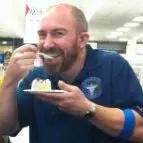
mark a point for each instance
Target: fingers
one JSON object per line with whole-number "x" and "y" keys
{"x": 25, "y": 69}
{"x": 64, "y": 86}
{"x": 28, "y": 54}
{"x": 53, "y": 96}
{"x": 26, "y": 62}
{"x": 21, "y": 61}
{"x": 25, "y": 52}
{"x": 24, "y": 58}
{"x": 26, "y": 47}
{"x": 61, "y": 103}
{"x": 47, "y": 99}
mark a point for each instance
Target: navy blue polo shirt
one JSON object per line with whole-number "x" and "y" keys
{"x": 106, "y": 79}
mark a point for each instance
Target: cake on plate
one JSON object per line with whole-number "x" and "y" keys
{"x": 41, "y": 85}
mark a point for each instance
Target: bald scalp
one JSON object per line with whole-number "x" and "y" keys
{"x": 77, "y": 14}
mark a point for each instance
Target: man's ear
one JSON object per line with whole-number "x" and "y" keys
{"x": 83, "y": 39}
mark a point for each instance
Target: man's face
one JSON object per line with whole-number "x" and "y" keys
{"x": 58, "y": 37}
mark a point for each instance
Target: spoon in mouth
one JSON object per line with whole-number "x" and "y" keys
{"x": 45, "y": 56}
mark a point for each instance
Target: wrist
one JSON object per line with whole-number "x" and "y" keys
{"x": 9, "y": 82}
{"x": 90, "y": 111}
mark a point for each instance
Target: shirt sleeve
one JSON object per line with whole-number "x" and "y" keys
{"x": 25, "y": 102}
{"x": 126, "y": 89}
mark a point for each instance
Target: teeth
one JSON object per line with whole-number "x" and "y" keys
{"x": 52, "y": 54}
{"x": 46, "y": 56}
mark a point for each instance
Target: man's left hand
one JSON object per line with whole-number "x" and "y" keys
{"x": 72, "y": 101}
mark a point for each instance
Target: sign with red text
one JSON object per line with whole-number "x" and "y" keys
{"x": 32, "y": 17}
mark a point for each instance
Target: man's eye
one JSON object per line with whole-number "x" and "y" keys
{"x": 59, "y": 33}
{"x": 41, "y": 36}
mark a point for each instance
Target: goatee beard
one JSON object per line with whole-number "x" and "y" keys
{"x": 53, "y": 70}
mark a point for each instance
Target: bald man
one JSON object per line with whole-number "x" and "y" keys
{"x": 101, "y": 100}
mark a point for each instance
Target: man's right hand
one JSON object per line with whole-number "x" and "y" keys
{"x": 21, "y": 62}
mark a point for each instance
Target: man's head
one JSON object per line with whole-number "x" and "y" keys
{"x": 62, "y": 33}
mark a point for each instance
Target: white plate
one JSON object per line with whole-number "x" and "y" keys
{"x": 43, "y": 91}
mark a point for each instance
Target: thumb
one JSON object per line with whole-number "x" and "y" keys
{"x": 64, "y": 86}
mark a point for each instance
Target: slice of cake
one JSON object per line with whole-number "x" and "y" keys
{"x": 40, "y": 84}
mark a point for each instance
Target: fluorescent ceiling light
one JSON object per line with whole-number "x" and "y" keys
{"x": 123, "y": 29}
{"x": 138, "y": 19}
{"x": 111, "y": 36}
{"x": 139, "y": 36}
{"x": 91, "y": 38}
{"x": 123, "y": 39}
{"x": 4, "y": 42}
{"x": 131, "y": 24}
{"x": 114, "y": 35}
{"x": 117, "y": 33}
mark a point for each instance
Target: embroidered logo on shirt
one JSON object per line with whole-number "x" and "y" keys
{"x": 92, "y": 87}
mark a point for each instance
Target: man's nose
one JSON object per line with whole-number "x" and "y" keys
{"x": 49, "y": 42}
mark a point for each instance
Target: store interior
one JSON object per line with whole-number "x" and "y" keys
{"x": 114, "y": 25}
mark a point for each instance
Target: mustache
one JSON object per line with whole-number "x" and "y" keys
{"x": 52, "y": 51}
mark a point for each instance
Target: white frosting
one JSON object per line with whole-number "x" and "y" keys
{"x": 39, "y": 84}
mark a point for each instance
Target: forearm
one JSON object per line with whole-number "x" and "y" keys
{"x": 138, "y": 131}
{"x": 8, "y": 106}
{"x": 20, "y": 63}
{"x": 111, "y": 121}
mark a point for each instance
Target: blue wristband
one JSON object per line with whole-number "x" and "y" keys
{"x": 129, "y": 124}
